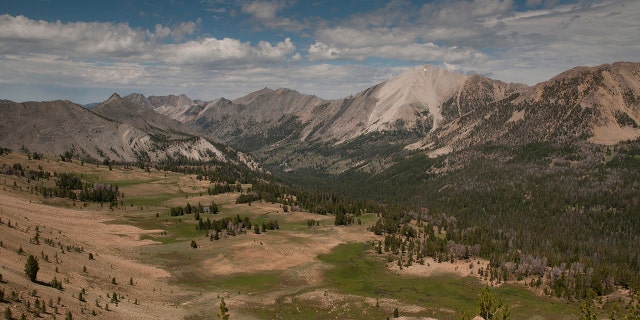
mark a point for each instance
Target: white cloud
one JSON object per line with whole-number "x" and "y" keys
{"x": 266, "y": 13}
{"x": 484, "y": 8}
{"x": 79, "y": 39}
{"x": 162, "y": 31}
{"x": 352, "y": 37}
{"x": 262, "y": 10}
{"x": 118, "y": 42}
{"x": 47, "y": 69}
{"x": 183, "y": 29}
{"x": 321, "y": 51}
{"x": 440, "y": 31}
{"x": 418, "y": 52}
{"x": 213, "y": 52}
{"x": 545, "y": 42}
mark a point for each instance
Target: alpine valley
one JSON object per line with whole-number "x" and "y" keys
{"x": 542, "y": 182}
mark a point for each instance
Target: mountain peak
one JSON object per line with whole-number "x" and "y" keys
{"x": 252, "y": 96}
{"x": 415, "y": 91}
{"x": 114, "y": 96}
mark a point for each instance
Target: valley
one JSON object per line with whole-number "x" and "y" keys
{"x": 144, "y": 256}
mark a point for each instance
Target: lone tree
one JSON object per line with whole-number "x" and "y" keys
{"x": 490, "y": 308}
{"x": 224, "y": 312}
{"x": 31, "y": 268}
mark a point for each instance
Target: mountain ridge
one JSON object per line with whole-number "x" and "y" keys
{"x": 115, "y": 130}
{"x": 440, "y": 111}
{"x": 425, "y": 108}
{"x": 414, "y": 96}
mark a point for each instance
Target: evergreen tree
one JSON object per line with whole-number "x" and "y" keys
{"x": 31, "y": 268}
{"x": 489, "y": 308}
{"x": 587, "y": 311}
{"x": 224, "y": 312}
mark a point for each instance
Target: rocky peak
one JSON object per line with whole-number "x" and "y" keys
{"x": 415, "y": 91}
{"x": 115, "y": 97}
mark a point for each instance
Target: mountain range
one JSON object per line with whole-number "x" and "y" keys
{"x": 114, "y": 130}
{"x": 424, "y": 109}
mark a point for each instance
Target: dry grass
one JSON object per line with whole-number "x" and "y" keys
{"x": 114, "y": 248}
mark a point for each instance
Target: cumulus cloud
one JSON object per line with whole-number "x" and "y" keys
{"x": 162, "y": 31}
{"x": 321, "y": 51}
{"x": 183, "y": 29}
{"x": 113, "y": 42}
{"x": 81, "y": 39}
{"x": 214, "y": 52}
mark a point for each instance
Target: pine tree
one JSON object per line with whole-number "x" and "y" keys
{"x": 490, "y": 308}
{"x": 587, "y": 311}
{"x": 224, "y": 312}
{"x": 31, "y": 268}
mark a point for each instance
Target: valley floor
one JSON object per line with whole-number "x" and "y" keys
{"x": 145, "y": 257}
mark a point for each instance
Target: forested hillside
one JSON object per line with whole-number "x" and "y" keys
{"x": 572, "y": 209}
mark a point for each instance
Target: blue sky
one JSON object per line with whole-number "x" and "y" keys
{"x": 85, "y": 50}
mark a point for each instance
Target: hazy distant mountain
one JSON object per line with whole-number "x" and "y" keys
{"x": 91, "y": 105}
{"x": 179, "y": 107}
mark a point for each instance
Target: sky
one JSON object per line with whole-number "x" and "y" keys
{"x": 84, "y": 51}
